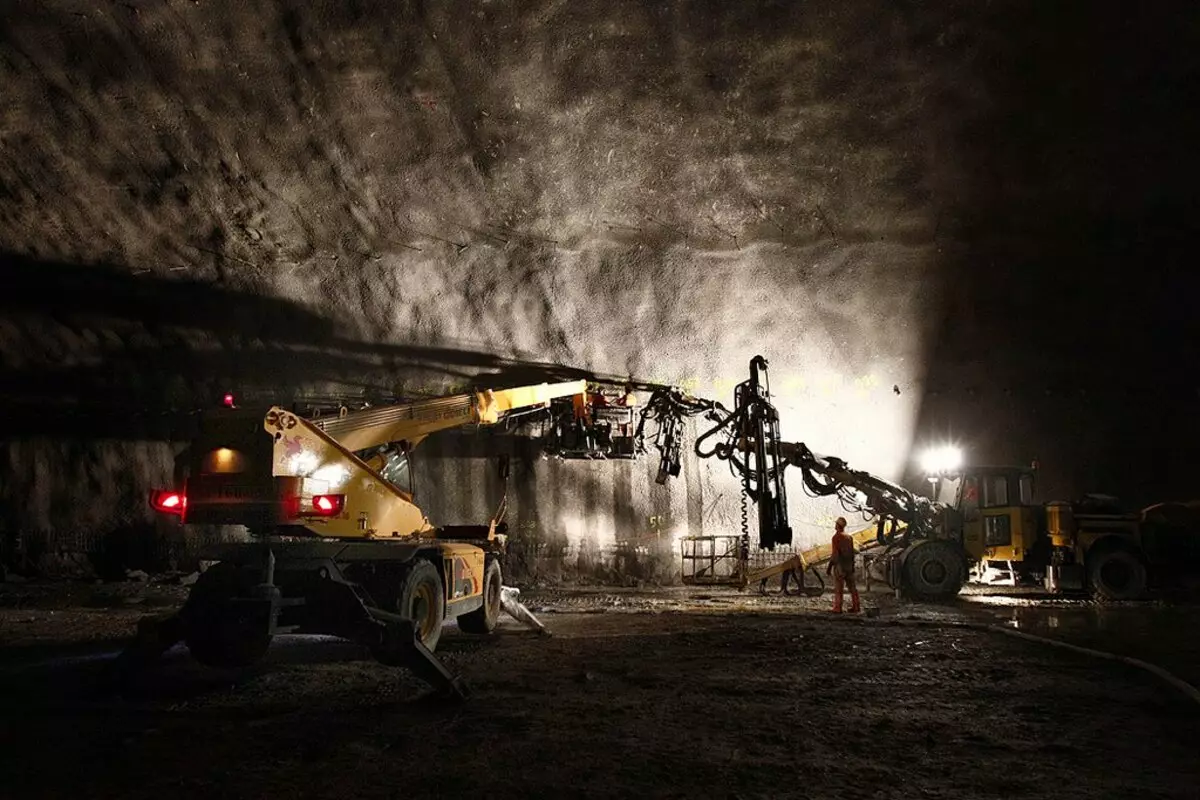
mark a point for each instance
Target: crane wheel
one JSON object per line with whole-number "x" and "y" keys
{"x": 422, "y": 599}
{"x": 1117, "y": 574}
{"x": 485, "y": 618}
{"x": 935, "y": 570}
{"x": 215, "y": 633}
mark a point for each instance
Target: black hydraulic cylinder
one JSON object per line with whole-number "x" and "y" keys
{"x": 762, "y": 479}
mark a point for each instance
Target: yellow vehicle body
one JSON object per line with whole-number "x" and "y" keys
{"x": 1000, "y": 521}
{"x": 1065, "y": 531}
{"x": 463, "y": 566}
{"x": 342, "y": 547}
{"x": 1001, "y": 534}
{"x": 315, "y": 461}
{"x": 373, "y": 507}
{"x": 1116, "y": 555}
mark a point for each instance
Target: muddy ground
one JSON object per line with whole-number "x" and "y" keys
{"x": 668, "y": 694}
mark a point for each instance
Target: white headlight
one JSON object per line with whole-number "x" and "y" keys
{"x": 940, "y": 460}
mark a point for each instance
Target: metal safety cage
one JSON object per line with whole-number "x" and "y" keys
{"x": 714, "y": 560}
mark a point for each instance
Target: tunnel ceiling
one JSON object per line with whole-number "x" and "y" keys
{"x": 869, "y": 194}
{"x": 284, "y": 134}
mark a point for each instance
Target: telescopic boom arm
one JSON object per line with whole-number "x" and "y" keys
{"x": 748, "y": 439}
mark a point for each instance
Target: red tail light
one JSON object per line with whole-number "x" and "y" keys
{"x": 328, "y": 505}
{"x": 228, "y": 400}
{"x": 168, "y": 502}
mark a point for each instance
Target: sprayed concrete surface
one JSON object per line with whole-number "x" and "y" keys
{"x": 670, "y": 693}
{"x": 270, "y": 197}
{"x": 275, "y": 197}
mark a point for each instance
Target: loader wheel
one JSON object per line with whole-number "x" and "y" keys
{"x": 485, "y": 618}
{"x": 217, "y": 634}
{"x": 1117, "y": 575}
{"x": 423, "y": 600}
{"x": 935, "y": 570}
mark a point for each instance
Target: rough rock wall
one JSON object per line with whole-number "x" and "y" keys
{"x": 269, "y": 195}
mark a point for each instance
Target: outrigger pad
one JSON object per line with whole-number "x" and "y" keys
{"x": 394, "y": 640}
{"x": 402, "y": 647}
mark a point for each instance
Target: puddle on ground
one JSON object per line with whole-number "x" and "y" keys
{"x": 1036, "y": 611}
{"x": 1153, "y": 631}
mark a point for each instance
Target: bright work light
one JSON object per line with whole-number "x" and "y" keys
{"x": 941, "y": 460}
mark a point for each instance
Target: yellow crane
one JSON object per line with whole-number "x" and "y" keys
{"x": 338, "y": 545}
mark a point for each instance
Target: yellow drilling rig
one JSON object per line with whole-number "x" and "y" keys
{"x": 983, "y": 518}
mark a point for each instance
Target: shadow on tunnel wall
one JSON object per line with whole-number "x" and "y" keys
{"x": 617, "y": 539}
{"x": 94, "y": 351}
{"x": 98, "y": 362}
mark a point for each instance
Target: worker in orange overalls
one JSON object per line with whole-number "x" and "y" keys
{"x": 841, "y": 566}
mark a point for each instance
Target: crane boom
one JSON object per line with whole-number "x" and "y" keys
{"x": 412, "y": 422}
{"x": 344, "y": 477}
{"x": 342, "y": 548}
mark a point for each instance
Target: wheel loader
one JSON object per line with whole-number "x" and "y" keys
{"x": 1117, "y": 554}
{"x": 337, "y": 544}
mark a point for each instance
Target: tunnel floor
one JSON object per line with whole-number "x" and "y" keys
{"x": 670, "y": 693}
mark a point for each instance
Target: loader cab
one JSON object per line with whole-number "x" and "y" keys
{"x": 1001, "y": 519}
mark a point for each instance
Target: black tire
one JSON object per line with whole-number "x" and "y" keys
{"x": 1117, "y": 574}
{"x": 216, "y": 634}
{"x": 935, "y": 570}
{"x": 423, "y": 600}
{"x": 485, "y": 618}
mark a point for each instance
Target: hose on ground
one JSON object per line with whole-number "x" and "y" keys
{"x": 1178, "y": 683}
{"x": 1153, "y": 669}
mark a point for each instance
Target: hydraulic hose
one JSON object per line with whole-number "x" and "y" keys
{"x": 717, "y": 449}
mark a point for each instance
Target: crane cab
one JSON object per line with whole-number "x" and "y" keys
{"x": 1001, "y": 522}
